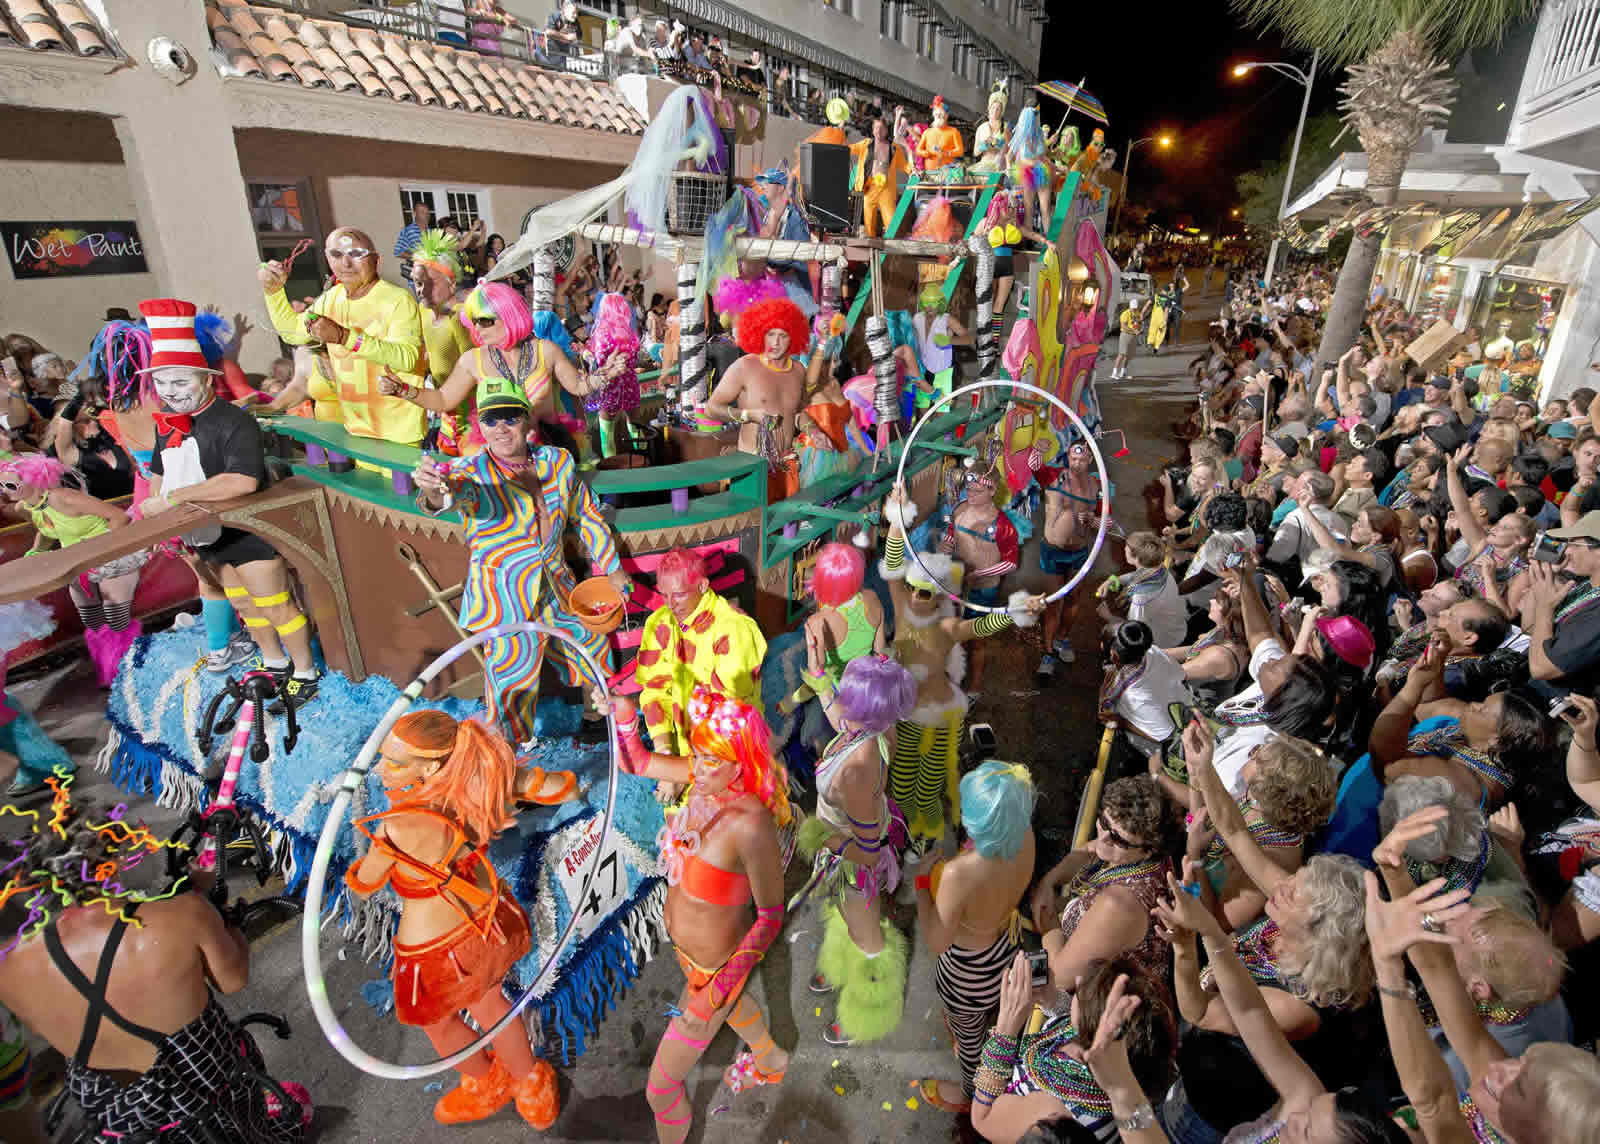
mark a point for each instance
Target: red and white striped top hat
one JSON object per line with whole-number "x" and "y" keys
{"x": 172, "y": 339}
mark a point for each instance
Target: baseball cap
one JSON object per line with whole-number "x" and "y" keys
{"x": 1290, "y": 446}
{"x": 500, "y": 393}
{"x": 1449, "y": 437}
{"x": 1565, "y": 430}
{"x": 1351, "y": 640}
{"x": 1587, "y": 528}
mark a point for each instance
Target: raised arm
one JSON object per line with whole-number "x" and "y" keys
{"x": 1391, "y": 733}
{"x": 1471, "y": 531}
{"x": 1198, "y": 748}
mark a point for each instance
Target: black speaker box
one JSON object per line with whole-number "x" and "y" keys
{"x": 825, "y": 171}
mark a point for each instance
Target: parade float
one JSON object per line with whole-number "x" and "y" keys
{"x": 381, "y": 580}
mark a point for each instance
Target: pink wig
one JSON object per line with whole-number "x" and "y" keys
{"x": 751, "y": 330}
{"x": 613, "y": 330}
{"x": 1001, "y": 206}
{"x": 685, "y": 564}
{"x": 728, "y": 729}
{"x": 496, "y": 300}
{"x": 39, "y": 471}
{"x": 735, "y": 295}
{"x": 840, "y": 569}
{"x": 875, "y": 693}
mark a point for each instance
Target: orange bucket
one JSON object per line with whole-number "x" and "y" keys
{"x": 597, "y": 605}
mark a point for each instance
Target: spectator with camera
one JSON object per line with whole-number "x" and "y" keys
{"x": 1563, "y": 619}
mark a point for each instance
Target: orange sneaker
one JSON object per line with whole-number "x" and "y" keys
{"x": 476, "y": 1098}
{"x": 538, "y": 1097}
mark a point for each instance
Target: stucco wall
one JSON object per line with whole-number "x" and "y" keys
{"x": 68, "y": 167}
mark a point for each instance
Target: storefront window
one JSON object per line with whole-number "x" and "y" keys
{"x": 1441, "y": 297}
{"x": 1517, "y": 310}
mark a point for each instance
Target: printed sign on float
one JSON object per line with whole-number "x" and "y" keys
{"x": 69, "y": 249}
{"x": 608, "y": 890}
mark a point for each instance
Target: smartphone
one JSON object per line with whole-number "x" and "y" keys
{"x": 1564, "y": 703}
{"x": 1547, "y": 548}
{"x": 983, "y": 739}
{"x": 1234, "y": 559}
{"x": 1039, "y": 967}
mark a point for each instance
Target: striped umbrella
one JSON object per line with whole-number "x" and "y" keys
{"x": 1075, "y": 97}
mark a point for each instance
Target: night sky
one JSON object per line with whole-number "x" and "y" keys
{"x": 1158, "y": 68}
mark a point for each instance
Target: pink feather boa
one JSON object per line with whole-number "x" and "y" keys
{"x": 733, "y": 296}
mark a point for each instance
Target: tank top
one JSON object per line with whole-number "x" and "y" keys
{"x": 63, "y": 528}
{"x": 1146, "y": 880}
{"x": 526, "y": 360}
{"x": 858, "y": 636}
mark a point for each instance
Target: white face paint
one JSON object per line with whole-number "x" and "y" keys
{"x": 181, "y": 389}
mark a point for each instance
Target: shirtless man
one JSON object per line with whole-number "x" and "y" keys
{"x": 983, "y": 539}
{"x": 1071, "y": 517}
{"x": 765, "y": 390}
{"x": 928, "y": 635}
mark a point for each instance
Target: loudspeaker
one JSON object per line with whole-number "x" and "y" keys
{"x": 825, "y": 171}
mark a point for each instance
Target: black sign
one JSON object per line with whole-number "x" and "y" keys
{"x": 72, "y": 249}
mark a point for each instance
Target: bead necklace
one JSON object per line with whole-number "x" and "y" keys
{"x": 1266, "y": 835}
{"x": 1097, "y": 875}
{"x": 1045, "y": 1061}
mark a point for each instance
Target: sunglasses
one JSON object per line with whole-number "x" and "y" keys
{"x": 499, "y": 417}
{"x": 1111, "y": 835}
{"x": 484, "y": 323}
{"x": 922, "y": 593}
{"x": 10, "y": 488}
{"x": 352, "y": 253}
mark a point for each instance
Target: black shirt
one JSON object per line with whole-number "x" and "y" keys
{"x": 1575, "y": 648}
{"x": 227, "y": 439}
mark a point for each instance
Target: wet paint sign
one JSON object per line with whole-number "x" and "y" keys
{"x": 73, "y": 249}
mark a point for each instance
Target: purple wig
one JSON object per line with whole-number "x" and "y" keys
{"x": 497, "y": 300}
{"x": 875, "y": 693}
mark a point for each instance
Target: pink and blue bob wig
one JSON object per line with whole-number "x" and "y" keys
{"x": 838, "y": 573}
{"x": 496, "y": 300}
{"x": 875, "y": 693}
{"x": 1001, "y": 206}
{"x": 997, "y": 807}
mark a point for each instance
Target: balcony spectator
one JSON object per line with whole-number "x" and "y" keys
{"x": 780, "y": 96}
{"x": 695, "y": 53}
{"x": 666, "y": 45}
{"x": 489, "y": 24}
{"x": 754, "y": 72}
{"x": 564, "y": 24}
{"x": 631, "y": 42}
{"x": 411, "y": 235}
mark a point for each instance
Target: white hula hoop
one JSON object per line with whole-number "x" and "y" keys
{"x": 310, "y": 927}
{"x": 1083, "y": 431}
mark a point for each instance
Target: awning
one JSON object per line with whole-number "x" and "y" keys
{"x": 784, "y": 42}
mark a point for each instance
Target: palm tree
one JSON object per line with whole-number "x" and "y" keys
{"x": 1399, "y": 54}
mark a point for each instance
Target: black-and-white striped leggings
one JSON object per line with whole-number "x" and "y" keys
{"x": 969, "y": 981}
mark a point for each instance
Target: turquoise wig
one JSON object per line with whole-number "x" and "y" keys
{"x": 903, "y": 333}
{"x": 997, "y": 807}
{"x": 1027, "y": 138}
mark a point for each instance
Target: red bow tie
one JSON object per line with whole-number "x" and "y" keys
{"x": 173, "y": 426}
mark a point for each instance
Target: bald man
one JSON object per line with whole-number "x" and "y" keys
{"x": 368, "y": 326}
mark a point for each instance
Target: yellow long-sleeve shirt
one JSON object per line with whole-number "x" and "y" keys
{"x": 390, "y": 323}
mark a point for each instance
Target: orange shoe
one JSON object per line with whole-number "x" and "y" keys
{"x": 538, "y": 1097}
{"x": 476, "y": 1098}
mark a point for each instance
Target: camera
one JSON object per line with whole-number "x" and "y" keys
{"x": 1177, "y": 474}
{"x": 983, "y": 740}
{"x": 1039, "y": 967}
{"x": 1547, "y": 548}
{"x": 1234, "y": 559}
{"x": 1564, "y": 703}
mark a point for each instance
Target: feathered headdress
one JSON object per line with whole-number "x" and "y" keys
{"x": 997, "y": 94}
{"x": 725, "y": 728}
{"x": 440, "y": 252}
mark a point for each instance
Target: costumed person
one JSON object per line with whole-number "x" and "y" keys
{"x": 151, "y": 1054}
{"x": 1072, "y": 507}
{"x": 722, "y": 856}
{"x": 310, "y": 392}
{"x": 1166, "y": 300}
{"x": 37, "y": 755}
{"x": 435, "y": 269}
{"x": 940, "y": 145}
{"x": 1064, "y": 150}
{"x": 863, "y": 955}
{"x": 614, "y": 349}
{"x": 990, "y": 140}
{"x": 452, "y": 787}
{"x": 983, "y": 540}
{"x": 119, "y": 359}
{"x": 878, "y": 165}
{"x": 928, "y": 639}
{"x": 207, "y": 452}
{"x": 517, "y": 501}
{"x": 500, "y": 322}
{"x": 937, "y": 329}
{"x": 1005, "y": 234}
{"x": 829, "y": 440}
{"x": 765, "y": 389}
{"x": 1089, "y": 158}
{"x": 369, "y": 327}
{"x": 967, "y": 913}
{"x": 42, "y": 488}
{"x": 847, "y": 624}
{"x": 695, "y": 638}
{"x": 1029, "y": 171}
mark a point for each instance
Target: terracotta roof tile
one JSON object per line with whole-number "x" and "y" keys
{"x": 54, "y": 25}
{"x": 284, "y": 46}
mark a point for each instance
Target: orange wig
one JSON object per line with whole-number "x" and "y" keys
{"x": 474, "y": 785}
{"x": 728, "y": 729}
{"x": 751, "y": 329}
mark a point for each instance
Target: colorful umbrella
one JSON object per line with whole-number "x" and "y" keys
{"x": 1075, "y": 97}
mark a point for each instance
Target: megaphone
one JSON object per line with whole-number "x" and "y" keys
{"x": 1363, "y": 436}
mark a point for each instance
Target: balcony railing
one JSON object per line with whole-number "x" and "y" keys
{"x": 1564, "y": 65}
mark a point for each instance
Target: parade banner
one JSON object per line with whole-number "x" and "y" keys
{"x": 72, "y": 249}
{"x": 1454, "y": 225}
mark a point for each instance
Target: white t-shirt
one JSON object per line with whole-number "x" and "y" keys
{"x": 1234, "y": 746}
{"x": 1162, "y": 608}
{"x": 1144, "y": 703}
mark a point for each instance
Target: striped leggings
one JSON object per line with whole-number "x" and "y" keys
{"x": 969, "y": 982}
{"x": 923, "y": 773}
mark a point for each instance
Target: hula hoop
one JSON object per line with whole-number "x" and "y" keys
{"x": 1083, "y": 430}
{"x": 310, "y": 928}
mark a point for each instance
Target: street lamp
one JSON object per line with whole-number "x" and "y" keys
{"x": 1162, "y": 141}
{"x": 1305, "y": 79}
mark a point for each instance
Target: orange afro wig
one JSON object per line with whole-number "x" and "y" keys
{"x": 781, "y": 313}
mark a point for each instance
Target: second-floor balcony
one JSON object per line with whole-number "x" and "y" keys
{"x": 1558, "y": 110}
